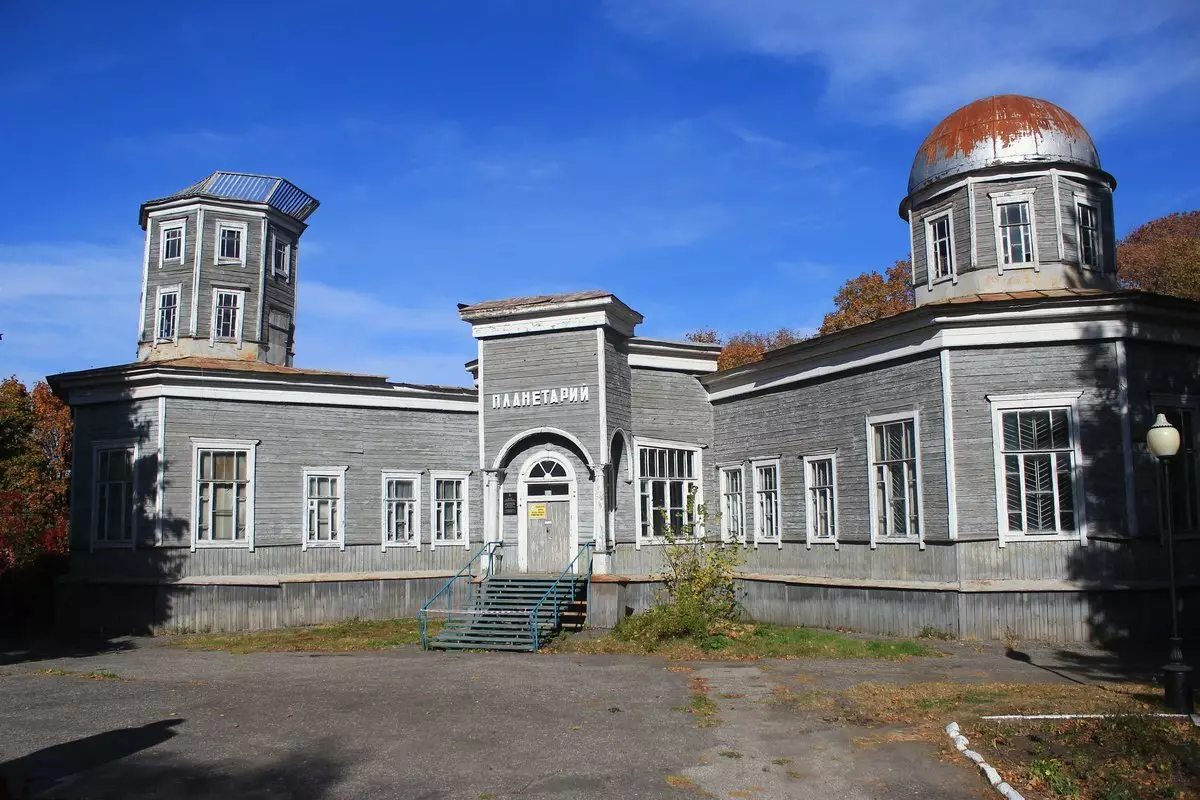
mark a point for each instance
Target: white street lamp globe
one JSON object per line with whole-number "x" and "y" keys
{"x": 1163, "y": 438}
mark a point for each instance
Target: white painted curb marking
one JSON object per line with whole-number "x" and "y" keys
{"x": 989, "y": 772}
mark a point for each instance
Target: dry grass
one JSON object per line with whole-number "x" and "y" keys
{"x": 55, "y": 672}
{"x": 745, "y": 641}
{"x": 340, "y": 637}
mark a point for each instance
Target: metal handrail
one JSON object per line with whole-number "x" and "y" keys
{"x": 534, "y": 631}
{"x": 468, "y": 568}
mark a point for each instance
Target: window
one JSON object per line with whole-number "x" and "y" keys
{"x": 668, "y": 486}
{"x": 227, "y": 314}
{"x": 766, "y": 501}
{"x": 113, "y": 510}
{"x": 895, "y": 490}
{"x": 450, "y": 518}
{"x": 1038, "y": 491}
{"x": 229, "y": 243}
{"x": 939, "y": 247}
{"x": 281, "y": 259}
{"x": 324, "y": 507}
{"x": 171, "y": 241}
{"x": 1089, "y": 236}
{"x": 167, "y": 314}
{"x": 1016, "y": 233}
{"x": 820, "y": 489}
{"x": 733, "y": 509}
{"x": 401, "y": 510}
{"x": 224, "y": 493}
{"x": 1182, "y": 490}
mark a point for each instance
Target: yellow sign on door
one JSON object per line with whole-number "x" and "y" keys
{"x": 537, "y": 510}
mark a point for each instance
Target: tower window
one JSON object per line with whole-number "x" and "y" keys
{"x": 227, "y": 314}
{"x": 1016, "y": 233}
{"x": 1089, "y": 236}
{"x": 939, "y": 247}
{"x": 167, "y": 314}
{"x": 171, "y": 246}
{"x": 281, "y": 262}
{"x": 231, "y": 242}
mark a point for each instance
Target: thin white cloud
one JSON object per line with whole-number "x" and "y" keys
{"x": 909, "y": 62}
{"x": 359, "y": 313}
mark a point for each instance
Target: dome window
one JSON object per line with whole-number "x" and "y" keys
{"x": 939, "y": 246}
{"x": 1089, "y": 236}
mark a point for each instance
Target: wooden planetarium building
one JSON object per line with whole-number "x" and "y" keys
{"x": 973, "y": 465}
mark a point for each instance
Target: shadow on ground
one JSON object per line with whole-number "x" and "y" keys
{"x": 99, "y": 766}
{"x": 21, "y": 649}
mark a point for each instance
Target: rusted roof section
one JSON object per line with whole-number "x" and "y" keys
{"x": 535, "y": 301}
{"x": 1002, "y": 129}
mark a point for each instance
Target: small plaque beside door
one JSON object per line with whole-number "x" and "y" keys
{"x": 510, "y": 504}
{"x": 537, "y": 510}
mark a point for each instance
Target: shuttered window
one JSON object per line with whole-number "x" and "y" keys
{"x": 1039, "y": 471}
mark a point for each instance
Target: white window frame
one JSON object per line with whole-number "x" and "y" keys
{"x": 241, "y": 316}
{"x": 810, "y": 522}
{"x": 1015, "y": 196}
{"x": 177, "y": 290}
{"x": 1181, "y": 402}
{"x": 250, "y": 446}
{"x": 1083, "y": 199}
{"x": 172, "y": 225}
{"x": 726, "y": 534}
{"x": 338, "y": 472}
{"x": 286, "y": 272}
{"x": 1037, "y": 401}
{"x": 393, "y": 475}
{"x": 244, "y": 229}
{"x": 945, "y": 212}
{"x": 448, "y": 475}
{"x": 755, "y": 465}
{"x": 880, "y": 419}
{"x": 698, "y": 529}
{"x": 133, "y": 447}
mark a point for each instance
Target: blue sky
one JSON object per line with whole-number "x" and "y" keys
{"x": 725, "y": 163}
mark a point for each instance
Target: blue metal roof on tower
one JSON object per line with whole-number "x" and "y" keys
{"x": 282, "y": 195}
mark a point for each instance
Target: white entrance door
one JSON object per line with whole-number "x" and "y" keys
{"x": 549, "y": 514}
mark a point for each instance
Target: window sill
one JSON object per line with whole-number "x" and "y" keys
{"x": 401, "y": 545}
{"x": 230, "y": 262}
{"x": 1017, "y": 536}
{"x": 170, "y": 262}
{"x": 952, "y": 278}
{"x": 450, "y": 543}
{"x": 243, "y": 545}
{"x": 897, "y": 540}
{"x": 1033, "y": 265}
{"x": 96, "y": 545}
{"x": 821, "y": 542}
{"x": 313, "y": 545}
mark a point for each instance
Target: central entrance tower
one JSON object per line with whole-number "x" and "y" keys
{"x": 552, "y": 373}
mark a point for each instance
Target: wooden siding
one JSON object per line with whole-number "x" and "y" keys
{"x": 1087, "y": 368}
{"x": 134, "y": 421}
{"x": 585, "y": 487}
{"x": 1041, "y": 212}
{"x": 831, "y": 414}
{"x": 172, "y": 273}
{"x": 620, "y": 417}
{"x": 541, "y": 361}
{"x": 369, "y": 441}
{"x": 242, "y": 278}
{"x": 672, "y": 406}
{"x": 958, "y": 201}
{"x": 895, "y": 612}
{"x": 1067, "y": 187}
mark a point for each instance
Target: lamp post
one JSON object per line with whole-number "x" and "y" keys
{"x": 1163, "y": 441}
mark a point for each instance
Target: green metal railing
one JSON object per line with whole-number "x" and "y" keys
{"x": 463, "y": 585}
{"x": 554, "y": 593}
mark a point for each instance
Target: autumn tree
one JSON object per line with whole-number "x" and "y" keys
{"x": 1163, "y": 256}
{"x": 871, "y": 296}
{"x": 745, "y": 347}
{"x": 35, "y": 465}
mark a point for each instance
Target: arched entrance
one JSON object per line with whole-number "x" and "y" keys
{"x": 548, "y": 513}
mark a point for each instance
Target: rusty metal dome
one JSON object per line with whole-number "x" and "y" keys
{"x": 1003, "y": 129}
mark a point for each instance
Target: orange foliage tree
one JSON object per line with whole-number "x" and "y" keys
{"x": 1163, "y": 256}
{"x": 871, "y": 296}
{"x": 35, "y": 468}
{"x": 745, "y": 347}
